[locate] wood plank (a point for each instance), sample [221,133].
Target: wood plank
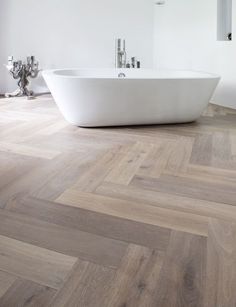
[193,188]
[180,156]
[202,150]
[34,263]
[97,172]
[6,281]
[233,144]
[216,181]
[28,294]
[221,148]
[47,178]
[221,260]
[54,128]
[123,171]
[70,140]
[135,281]
[182,277]
[12,168]
[26,150]
[143,134]
[169,201]
[93,222]
[24,131]
[212,173]
[157,159]
[222,151]
[87,286]
[143,213]
[64,173]
[64,240]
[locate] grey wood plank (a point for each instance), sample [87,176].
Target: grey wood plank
[62,239]
[221,264]
[135,281]
[34,263]
[6,281]
[92,222]
[24,293]
[183,275]
[193,188]
[86,287]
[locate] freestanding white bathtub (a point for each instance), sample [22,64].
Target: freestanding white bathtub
[98,97]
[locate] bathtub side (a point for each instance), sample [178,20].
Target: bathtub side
[115,102]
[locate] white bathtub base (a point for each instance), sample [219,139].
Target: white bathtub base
[95,98]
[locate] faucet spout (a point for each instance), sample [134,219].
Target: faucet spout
[120,53]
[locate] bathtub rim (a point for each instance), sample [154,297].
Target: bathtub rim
[198,75]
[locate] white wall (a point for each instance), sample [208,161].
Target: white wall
[3,11]
[73,33]
[185,38]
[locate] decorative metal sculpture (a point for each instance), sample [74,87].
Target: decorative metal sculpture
[23,70]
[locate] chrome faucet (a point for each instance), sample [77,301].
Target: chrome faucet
[120,53]
[121,56]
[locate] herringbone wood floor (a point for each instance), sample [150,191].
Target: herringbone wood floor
[116,217]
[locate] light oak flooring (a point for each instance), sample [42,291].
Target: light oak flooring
[116,217]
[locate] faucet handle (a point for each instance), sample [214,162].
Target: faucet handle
[133,62]
[124,45]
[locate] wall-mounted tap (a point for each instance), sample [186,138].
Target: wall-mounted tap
[120,53]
